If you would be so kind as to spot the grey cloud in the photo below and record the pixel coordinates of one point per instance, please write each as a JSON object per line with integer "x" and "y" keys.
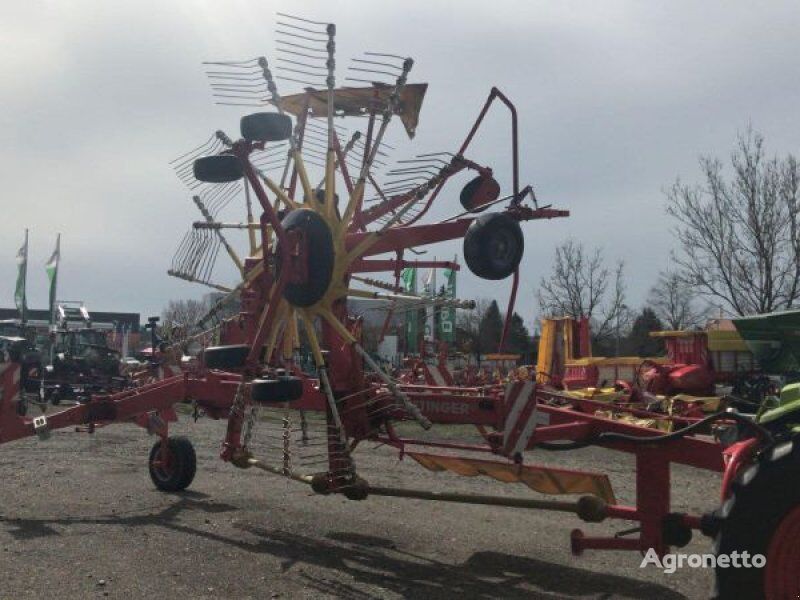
{"x": 615, "y": 99}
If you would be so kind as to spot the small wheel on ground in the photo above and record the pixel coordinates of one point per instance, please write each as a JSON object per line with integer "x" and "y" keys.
{"x": 176, "y": 472}
{"x": 226, "y": 357}
{"x": 266, "y": 127}
{"x": 271, "y": 391}
{"x": 493, "y": 246}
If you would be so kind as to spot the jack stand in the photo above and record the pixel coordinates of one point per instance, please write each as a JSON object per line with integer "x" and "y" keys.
{"x": 40, "y": 427}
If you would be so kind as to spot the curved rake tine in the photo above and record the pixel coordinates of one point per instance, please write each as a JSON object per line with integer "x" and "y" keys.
{"x": 197, "y": 254}
{"x": 257, "y": 84}
{"x": 378, "y": 63}
{"x": 299, "y": 28}
{"x": 340, "y": 128}
{"x": 228, "y": 193}
{"x": 193, "y": 151}
{"x": 212, "y": 261}
{"x": 187, "y": 266}
{"x": 213, "y": 245}
{"x": 300, "y": 36}
{"x": 417, "y": 178}
{"x": 233, "y": 63}
{"x": 204, "y": 257}
{"x": 208, "y": 147}
{"x": 298, "y": 63}
{"x": 176, "y": 258}
{"x": 372, "y": 71}
{"x": 300, "y": 19}
{"x": 385, "y": 145}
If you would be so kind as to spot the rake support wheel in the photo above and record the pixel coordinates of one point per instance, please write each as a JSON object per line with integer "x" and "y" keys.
{"x": 226, "y": 357}
{"x": 273, "y": 391}
{"x": 177, "y": 472}
{"x": 479, "y": 192}
{"x": 266, "y": 127}
{"x": 221, "y": 168}
{"x": 493, "y": 246}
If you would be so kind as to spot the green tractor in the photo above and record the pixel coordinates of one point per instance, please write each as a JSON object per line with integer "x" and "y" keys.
{"x": 81, "y": 361}
{"x": 761, "y": 515}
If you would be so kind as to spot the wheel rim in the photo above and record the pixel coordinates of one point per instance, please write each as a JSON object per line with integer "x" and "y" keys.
{"x": 782, "y": 579}
{"x": 502, "y": 248}
{"x": 163, "y": 469}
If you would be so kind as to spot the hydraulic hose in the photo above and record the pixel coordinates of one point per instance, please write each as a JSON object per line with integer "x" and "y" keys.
{"x": 742, "y": 420}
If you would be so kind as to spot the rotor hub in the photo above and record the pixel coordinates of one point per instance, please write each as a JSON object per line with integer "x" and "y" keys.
{"x": 311, "y": 257}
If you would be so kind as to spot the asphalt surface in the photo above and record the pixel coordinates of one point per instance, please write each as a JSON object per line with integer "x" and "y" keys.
{"x": 79, "y": 518}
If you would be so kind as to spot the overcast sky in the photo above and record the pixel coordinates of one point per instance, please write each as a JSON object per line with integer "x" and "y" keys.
{"x": 616, "y": 99}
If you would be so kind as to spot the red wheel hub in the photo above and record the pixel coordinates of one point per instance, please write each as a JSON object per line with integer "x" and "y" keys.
{"x": 782, "y": 578}
{"x": 163, "y": 462}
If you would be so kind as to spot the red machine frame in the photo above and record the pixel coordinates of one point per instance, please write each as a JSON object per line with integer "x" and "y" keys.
{"x": 543, "y": 416}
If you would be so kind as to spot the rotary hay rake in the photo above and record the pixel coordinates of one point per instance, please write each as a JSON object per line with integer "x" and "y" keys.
{"x": 307, "y": 248}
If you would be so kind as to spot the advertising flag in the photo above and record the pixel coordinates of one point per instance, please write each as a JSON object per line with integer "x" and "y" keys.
{"x": 52, "y": 274}
{"x": 408, "y": 277}
{"x": 20, "y": 296}
{"x": 447, "y": 320}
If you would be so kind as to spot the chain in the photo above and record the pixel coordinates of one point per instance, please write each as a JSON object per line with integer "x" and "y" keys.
{"x": 238, "y": 400}
{"x": 249, "y": 424}
{"x": 335, "y": 428}
{"x": 238, "y": 408}
{"x": 287, "y": 444}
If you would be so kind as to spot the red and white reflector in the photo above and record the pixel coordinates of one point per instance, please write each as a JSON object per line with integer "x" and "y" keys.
{"x": 520, "y": 421}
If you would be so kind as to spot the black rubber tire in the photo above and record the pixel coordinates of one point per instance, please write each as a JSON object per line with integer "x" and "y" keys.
{"x": 225, "y": 357}
{"x": 266, "y": 127}
{"x": 479, "y": 192}
{"x": 319, "y": 265}
{"x": 220, "y": 168}
{"x": 183, "y": 468}
{"x": 273, "y": 391}
{"x": 763, "y": 494}
{"x": 30, "y": 374}
{"x": 493, "y": 246}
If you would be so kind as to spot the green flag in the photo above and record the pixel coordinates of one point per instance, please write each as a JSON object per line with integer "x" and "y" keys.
{"x": 52, "y": 274}
{"x": 447, "y": 320}
{"x": 408, "y": 277}
{"x": 20, "y": 298}
{"x": 430, "y": 319}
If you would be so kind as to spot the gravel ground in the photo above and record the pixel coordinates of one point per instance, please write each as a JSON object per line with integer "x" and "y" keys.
{"x": 80, "y": 518}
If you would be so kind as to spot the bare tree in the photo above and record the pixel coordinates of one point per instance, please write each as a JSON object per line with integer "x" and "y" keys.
{"x": 468, "y": 329}
{"x": 180, "y": 317}
{"x": 675, "y": 303}
{"x": 581, "y": 285}
{"x": 740, "y": 239}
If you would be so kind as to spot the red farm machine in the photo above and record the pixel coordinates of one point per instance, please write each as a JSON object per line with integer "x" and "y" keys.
{"x": 315, "y": 242}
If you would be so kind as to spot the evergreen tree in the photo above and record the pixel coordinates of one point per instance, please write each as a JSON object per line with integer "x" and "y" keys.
{"x": 491, "y": 328}
{"x": 639, "y": 342}
{"x": 519, "y": 338}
